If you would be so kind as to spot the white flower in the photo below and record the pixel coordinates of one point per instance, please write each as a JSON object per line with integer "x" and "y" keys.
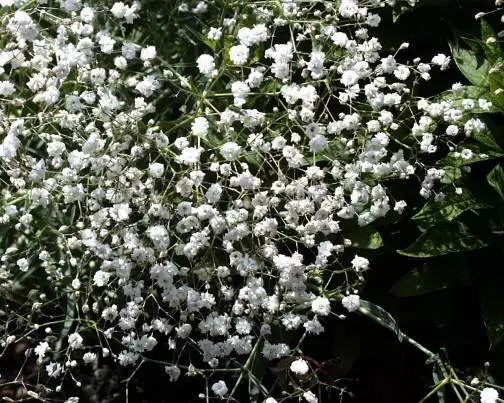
{"x": 42, "y": 349}
{"x": 6, "y": 88}
{"x": 402, "y": 72}
{"x": 23, "y": 264}
{"x": 360, "y": 263}
{"x": 173, "y": 372}
{"x": 189, "y": 155}
{"x": 200, "y": 126}
{"x": 89, "y": 358}
{"x": 321, "y": 306}
{"x": 239, "y": 54}
{"x": 339, "y": 39}
{"x": 53, "y": 369}
{"x": 213, "y": 193}
{"x": 230, "y": 151}
{"x": 310, "y": 397}
{"x": 351, "y": 302}
{"x": 156, "y": 170}
{"x": 489, "y": 395}
{"x": 299, "y": 367}
{"x": 206, "y": 64}
{"x": 148, "y": 53}
{"x": 119, "y": 9}
{"x": 75, "y": 341}
{"x": 220, "y": 388}
{"x": 349, "y": 78}
{"x": 101, "y": 278}
{"x": 441, "y": 60}
{"x": 214, "y": 33}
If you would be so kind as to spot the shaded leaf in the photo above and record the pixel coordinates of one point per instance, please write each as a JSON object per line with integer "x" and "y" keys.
{"x": 432, "y": 276}
{"x": 443, "y": 239}
{"x": 364, "y": 237}
{"x": 492, "y": 303}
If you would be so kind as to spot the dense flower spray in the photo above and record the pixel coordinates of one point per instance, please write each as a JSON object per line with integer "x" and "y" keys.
{"x": 223, "y": 229}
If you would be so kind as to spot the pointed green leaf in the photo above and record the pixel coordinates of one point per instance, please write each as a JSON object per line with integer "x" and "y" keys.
{"x": 444, "y": 239}
{"x": 491, "y": 48}
{"x": 381, "y": 316}
{"x": 496, "y": 179}
{"x": 476, "y": 71}
{"x": 446, "y": 210}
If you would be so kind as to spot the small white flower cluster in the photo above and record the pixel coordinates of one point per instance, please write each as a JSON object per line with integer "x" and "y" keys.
{"x": 203, "y": 218}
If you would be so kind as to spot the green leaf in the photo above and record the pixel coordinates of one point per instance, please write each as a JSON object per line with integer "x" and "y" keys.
{"x": 452, "y": 174}
{"x": 488, "y": 139}
{"x": 481, "y": 153}
{"x": 496, "y": 179}
{"x": 381, "y": 316}
{"x": 496, "y": 81}
{"x": 446, "y": 210}
{"x": 492, "y": 49}
{"x": 444, "y": 239}
{"x": 432, "y": 276}
{"x": 476, "y": 71}
{"x": 364, "y": 237}
{"x": 200, "y": 37}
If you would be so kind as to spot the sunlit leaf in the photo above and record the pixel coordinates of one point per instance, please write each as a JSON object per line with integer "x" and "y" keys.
{"x": 381, "y": 316}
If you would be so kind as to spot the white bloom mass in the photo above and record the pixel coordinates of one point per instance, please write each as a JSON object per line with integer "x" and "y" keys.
{"x": 230, "y": 151}
{"x": 299, "y": 367}
{"x": 489, "y": 395}
{"x": 220, "y": 388}
{"x": 239, "y": 54}
{"x": 351, "y": 302}
{"x": 321, "y": 306}
{"x": 206, "y": 64}
{"x": 200, "y": 126}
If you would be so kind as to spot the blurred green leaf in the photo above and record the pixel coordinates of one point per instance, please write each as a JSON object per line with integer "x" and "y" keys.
{"x": 432, "y": 276}
{"x": 364, "y": 237}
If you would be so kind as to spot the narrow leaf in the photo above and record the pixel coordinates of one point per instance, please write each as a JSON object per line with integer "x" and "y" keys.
{"x": 381, "y": 316}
